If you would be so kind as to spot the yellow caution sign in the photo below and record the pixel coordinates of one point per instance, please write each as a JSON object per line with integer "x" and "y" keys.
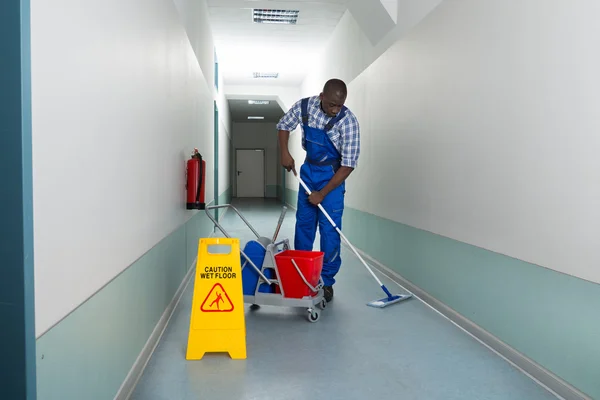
{"x": 217, "y": 323}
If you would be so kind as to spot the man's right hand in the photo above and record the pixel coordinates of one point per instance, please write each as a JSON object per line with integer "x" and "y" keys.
{"x": 287, "y": 161}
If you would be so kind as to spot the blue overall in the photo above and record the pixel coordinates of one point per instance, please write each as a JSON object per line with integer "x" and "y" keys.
{"x": 321, "y": 163}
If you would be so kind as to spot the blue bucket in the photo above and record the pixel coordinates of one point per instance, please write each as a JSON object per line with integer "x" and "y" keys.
{"x": 255, "y": 252}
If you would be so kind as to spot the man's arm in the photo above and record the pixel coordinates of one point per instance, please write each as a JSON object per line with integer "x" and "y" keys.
{"x": 286, "y": 124}
{"x": 287, "y": 161}
{"x": 339, "y": 177}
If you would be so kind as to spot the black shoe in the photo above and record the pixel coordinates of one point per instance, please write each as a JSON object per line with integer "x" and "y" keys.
{"x": 328, "y": 293}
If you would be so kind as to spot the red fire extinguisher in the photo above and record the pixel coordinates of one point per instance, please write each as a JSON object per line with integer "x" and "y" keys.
{"x": 196, "y": 168}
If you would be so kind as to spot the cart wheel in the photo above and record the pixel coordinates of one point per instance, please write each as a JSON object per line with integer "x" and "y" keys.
{"x": 254, "y": 307}
{"x": 323, "y": 304}
{"x": 313, "y": 315}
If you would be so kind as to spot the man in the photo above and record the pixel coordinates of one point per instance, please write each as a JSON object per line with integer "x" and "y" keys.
{"x": 331, "y": 139}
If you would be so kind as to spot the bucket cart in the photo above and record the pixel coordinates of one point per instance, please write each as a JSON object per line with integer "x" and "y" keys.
{"x": 275, "y": 275}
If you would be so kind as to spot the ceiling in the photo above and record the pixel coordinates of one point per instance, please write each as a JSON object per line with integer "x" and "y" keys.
{"x": 244, "y": 47}
{"x": 240, "y": 110}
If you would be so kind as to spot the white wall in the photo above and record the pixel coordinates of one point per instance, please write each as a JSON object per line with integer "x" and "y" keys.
{"x": 349, "y": 51}
{"x": 225, "y": 136}
{"x": 286, "y": 96}
{"x": 225, "y": 148}
{"x": 258, "y": 135}
{"x": 482, "y": 126}
{"x": 119, "y": 103}
{"x": 194, "y": 16}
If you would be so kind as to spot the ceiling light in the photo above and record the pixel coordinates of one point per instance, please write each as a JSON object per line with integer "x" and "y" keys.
{"x": 266, "y": 16}
{"x": 258, "y": 101}
{"x": 256, "y": 117}
{"x": 265, "y": 74}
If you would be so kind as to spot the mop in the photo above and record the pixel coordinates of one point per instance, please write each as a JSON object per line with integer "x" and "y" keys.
{"x": 381, "y": 303}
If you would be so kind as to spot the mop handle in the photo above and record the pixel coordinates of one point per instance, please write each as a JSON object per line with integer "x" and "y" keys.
{"x": 340, "y": 232}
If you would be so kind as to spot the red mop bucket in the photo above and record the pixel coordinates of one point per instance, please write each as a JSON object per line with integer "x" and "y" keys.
{"x": 310, "y": 264}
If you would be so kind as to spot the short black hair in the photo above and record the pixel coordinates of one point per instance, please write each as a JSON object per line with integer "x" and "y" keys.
{"x": 335, "y": 86}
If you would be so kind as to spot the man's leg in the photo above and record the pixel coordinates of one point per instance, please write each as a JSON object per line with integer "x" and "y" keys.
{"x": 306, "y": 222}
{"x": 330, "y": 238}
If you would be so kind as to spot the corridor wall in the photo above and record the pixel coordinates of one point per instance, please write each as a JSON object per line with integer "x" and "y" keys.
{"x": 479, "y": 170}
{"x": 122, "y": 93}
{"x": 225, "y": 153}
{"x": 258, "y": 135}
{"x": 285, "y": 96}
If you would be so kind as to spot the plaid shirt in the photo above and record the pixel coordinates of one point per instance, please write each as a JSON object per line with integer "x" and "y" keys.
{"x": 345, "y": 134}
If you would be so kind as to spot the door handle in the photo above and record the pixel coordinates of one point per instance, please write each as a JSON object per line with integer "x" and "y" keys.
{"x": 239, "y": 172}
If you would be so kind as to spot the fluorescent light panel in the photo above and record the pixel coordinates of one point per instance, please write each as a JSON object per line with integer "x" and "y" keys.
{"x": 258, "y": 101}
{"x": 267, "y": 16}
{"x": 252, "y": 117}
{"x": 265, "y": 74}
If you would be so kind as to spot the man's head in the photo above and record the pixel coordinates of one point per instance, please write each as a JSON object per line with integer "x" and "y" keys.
{"x": 333, "y": 96}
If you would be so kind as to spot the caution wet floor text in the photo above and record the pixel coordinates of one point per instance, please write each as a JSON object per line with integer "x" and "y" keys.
{"x": 217, "y": 322}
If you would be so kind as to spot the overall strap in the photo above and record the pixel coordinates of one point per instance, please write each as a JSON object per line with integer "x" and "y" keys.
{"x": 332, "y": 121}
{"x": 335, "y": 119}
{"x": 304, "y": 108}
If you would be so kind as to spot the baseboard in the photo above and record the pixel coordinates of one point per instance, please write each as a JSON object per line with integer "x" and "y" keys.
{"x": 137, "y": 370}
{"x": 548, "y": 380}
{"x": 536, "y": 372}
{"x": 139, "y": 366}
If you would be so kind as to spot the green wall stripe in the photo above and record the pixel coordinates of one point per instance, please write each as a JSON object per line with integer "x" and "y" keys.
{"x": 271, "y": 191}
{"x": 216, "y": 150}
{"x": 550, "y": 317}
{"x": 225, "y": 198}
{"x": 17, "y": 305}
{"x": 89, "y": 354}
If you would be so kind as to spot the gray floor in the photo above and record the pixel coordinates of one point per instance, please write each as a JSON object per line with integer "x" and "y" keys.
{"x": 405, "y": 351}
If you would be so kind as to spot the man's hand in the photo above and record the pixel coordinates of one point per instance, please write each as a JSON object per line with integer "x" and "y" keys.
{"x": 287, "y": 161}
{"x": 315, "y": 198}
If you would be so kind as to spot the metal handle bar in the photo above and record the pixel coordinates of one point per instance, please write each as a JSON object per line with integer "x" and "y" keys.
{"x": 304, "y": 279}
{"x": 208, "y": 208}
{"x": 284, "y": 241}
{"x": 267, "y": 280}
{"x": 279, "y": 223}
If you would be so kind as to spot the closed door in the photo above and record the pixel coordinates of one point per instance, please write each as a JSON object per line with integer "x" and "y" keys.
{"x": 250, "y": 173}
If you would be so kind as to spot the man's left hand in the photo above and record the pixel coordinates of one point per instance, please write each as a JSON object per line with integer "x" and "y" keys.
{"x": 315, "y": 198}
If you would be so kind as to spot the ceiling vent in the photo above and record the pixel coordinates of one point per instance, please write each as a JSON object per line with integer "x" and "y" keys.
{"x": 265, "y": 74}
{"x": 266, "y": 16}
